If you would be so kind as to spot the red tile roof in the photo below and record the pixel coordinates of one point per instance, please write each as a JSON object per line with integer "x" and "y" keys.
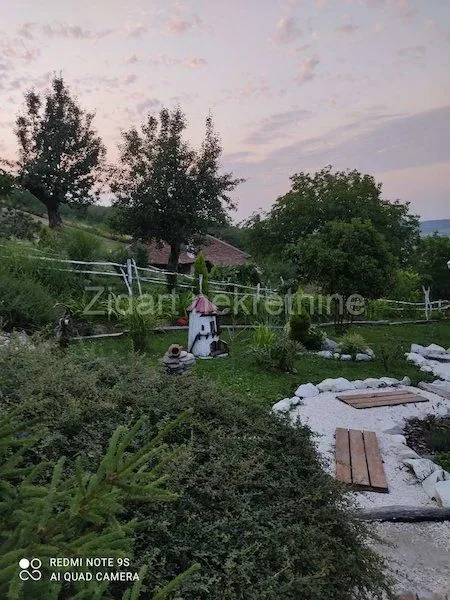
{"x": 202, "y": 305}
{"x": 215, "y": 251}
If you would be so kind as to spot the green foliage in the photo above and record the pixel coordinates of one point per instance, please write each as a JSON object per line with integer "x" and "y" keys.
{"x": 433, "y": 254}
{"x": 139, "y": 316}
{"x": 165, "y": 190}
{"x": 406, "y": 286}
{"x": 391, "y": 354}
{"x": 352, "y": 343}
{"x": 81, "y": 245}
{"x": 200, "y": 268}
{"x": 48, "y": 240}
{"x": 316, "y": 199}
{"x": 443, "y": 460}
{"x": 255, "y": 508}
{"x": 6, "y": 183}
{"x": 299, "y": 325}
{"x": 274, "y": 351}
{"x": 263, "y": 337}
{"x": 60, "y": 153}
{"x": 15, "y": 224}
{"x": 345, "y": 259}
{"x": 47, "y": 512}
{"x": 24, "y": 303}
{"x": 314, "y": 338}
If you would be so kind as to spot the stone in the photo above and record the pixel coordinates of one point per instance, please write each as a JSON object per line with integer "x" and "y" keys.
{"x": 346, "y": 357}
{"x": 390, "y": 381}
{"x": 416, "y": 348}
{"x": 370, "y": 352}
{"x": 336, "y": 385}
{"x": 398, "y": 439}
{"x": 307, "y": 390}
{"x": 417, "y": 359}
{"x": 426, "y": 369}
{"x": 442, "y": 493}
{"x": 362, "y": 357}
{"x": 429, "y": 483}
{"x": 359, "y": 384}
{"x": 325, "y": 354}
{"x": 372, "y": 383}
{"x": 282, "y": 405}
{"x": 434, "y": 349}
{"x": 422, "y": 467}
{"x": 405, "y": 381}
{"x": 336, "y": 355}
{"x": 397, "y": 430}
{"x": 328, "y": 344}
{"x": 408, "y": 454}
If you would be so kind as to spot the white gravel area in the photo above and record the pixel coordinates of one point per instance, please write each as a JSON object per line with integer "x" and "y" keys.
{"x": 324, "y": 413}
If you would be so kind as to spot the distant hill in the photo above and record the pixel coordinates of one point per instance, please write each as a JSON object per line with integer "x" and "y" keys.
{"x": 442, "y": 226}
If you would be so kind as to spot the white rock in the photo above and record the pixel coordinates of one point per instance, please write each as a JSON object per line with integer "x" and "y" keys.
{"x": 405, "y": 381}
{"x": 346, "y": 357}
{"x": 325, "y": 354}
{"x": 398, "y": 439}
{"x": 282, "y": 405}
{"x": 435, "y": 349}
{"x": 416, "y": 348}
{"x": 422, "y": 467}
{"x": 328, "y": 344}
{"x": 307, "y": 390}
{"x": 442, "y": 493}
{"x": 336, "y": 385}
{"x": 417, "y": 359}
{"x": 372, "y": 383}
{"x": 359, "y": 384}
{"x": 336, "y": 355}
{"x": 429, "y": 483}
{"x": 390, "y": 381}
{"x": 426, "y": 369}
{"x": 362, "y": 357}
{"x": 370, "y": 352}
{"x": 408, "y": 453}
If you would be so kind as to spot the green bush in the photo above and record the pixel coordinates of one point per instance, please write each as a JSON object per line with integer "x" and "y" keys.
{"x": 299, "y": 326}
{"x": 274, "y": 351}
{"x": 443, "y": 460}
{"x": 200, "y": 268}
{"x": 352, "y": 343}
{"x": 24, "y": 303}
{"x": 16, "y": 224}
{"x": 314, "y": 338}
{"x": 139, "y": 317}
{"x": 255, "y": 508}
{"x": 81, "y": 245}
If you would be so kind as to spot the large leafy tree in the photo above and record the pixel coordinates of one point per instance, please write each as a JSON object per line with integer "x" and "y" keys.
{"x": 315, "y": 199}
{"x": 345, "y": 259}
{"x": 165, "y": 190}
{"x": 433, "y": 253}
{"x": 60, "y": 154}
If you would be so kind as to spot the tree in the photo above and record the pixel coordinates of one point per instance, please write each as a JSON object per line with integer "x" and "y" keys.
{"x": 165, "y": 190}
{"x": 6, "y": 183}
{"x": 60, "y": 154}
{"x": 316, "y": 199}
{"x": 433, "y": 253}
{"x": 200, "y": 268}
{"x": 345, "y": 259}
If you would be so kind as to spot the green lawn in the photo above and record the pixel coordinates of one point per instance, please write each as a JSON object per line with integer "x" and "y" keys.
{"x": 254, "y": 384}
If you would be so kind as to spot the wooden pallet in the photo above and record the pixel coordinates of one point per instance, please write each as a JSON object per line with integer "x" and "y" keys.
{"x": 374, "y": 399}
{"x": 358, "y": 460}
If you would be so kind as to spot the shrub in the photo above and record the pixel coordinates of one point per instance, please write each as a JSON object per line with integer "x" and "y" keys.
{"x": 16, "y": 224}
{"x": 255, "y": 507}
{"x": 299, "y": 326}
{"x": 443, "y": 460}
{"x": 263, "y": 337}
{"x": 81, "y": 245}
{"x": 314, "y": 338}
{"x": 352, "y": 343}
{"x": 274, "y": 351}
{"x": 139, "y": 316}
{"x": 200, "y": 268}
{"x": 24, "y": 303}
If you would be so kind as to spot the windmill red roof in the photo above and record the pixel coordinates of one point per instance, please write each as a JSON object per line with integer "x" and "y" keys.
{"x": 202, "y": 305}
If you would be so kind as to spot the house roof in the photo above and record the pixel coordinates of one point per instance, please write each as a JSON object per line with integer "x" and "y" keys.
{"x": 215, "y": 251}
{"x": 202, "y": 305}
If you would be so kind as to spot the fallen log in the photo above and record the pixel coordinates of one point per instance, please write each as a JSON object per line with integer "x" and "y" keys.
{"x": 403, "y": 514}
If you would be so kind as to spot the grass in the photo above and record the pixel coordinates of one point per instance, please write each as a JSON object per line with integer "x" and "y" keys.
{"x": 253, "y": 384}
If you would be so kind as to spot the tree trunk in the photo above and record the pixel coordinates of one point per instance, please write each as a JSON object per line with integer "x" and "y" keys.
{"x": 172, "y": 265}
{"x": 54, "y": 217}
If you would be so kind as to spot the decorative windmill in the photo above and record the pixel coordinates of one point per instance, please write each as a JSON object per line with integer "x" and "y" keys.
{"x": 204, "y": 340}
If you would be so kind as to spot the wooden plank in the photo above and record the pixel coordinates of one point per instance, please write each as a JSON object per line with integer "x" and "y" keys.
{"x": 360, "y": 474}
{"x": 377, "y": 476}
{"x": 343, "y": 463}
{"x": 391, "y": 403}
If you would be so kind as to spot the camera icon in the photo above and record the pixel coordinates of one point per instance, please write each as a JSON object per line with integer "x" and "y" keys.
{"x": 30, "y": 569}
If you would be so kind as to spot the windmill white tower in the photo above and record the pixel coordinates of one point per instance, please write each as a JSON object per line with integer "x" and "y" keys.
{"x": 203, "y": 340}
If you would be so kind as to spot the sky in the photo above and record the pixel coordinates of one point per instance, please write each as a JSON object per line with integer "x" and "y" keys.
{"x": 292, "y": 86}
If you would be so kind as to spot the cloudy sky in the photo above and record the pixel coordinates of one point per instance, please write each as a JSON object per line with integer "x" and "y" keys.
{"x": 292, "y": 85}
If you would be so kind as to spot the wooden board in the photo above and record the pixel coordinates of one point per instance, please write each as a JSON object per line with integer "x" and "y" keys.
{"x": 358, "y": 460}
{"x": 374, "y": 399}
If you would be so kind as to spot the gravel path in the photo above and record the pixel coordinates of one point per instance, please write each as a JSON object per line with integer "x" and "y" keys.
{"x": 325, "y": 412}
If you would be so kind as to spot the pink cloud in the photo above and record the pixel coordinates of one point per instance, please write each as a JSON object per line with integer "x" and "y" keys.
{"x": 287, "y": 31}
{"x": 307, "y": 69}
